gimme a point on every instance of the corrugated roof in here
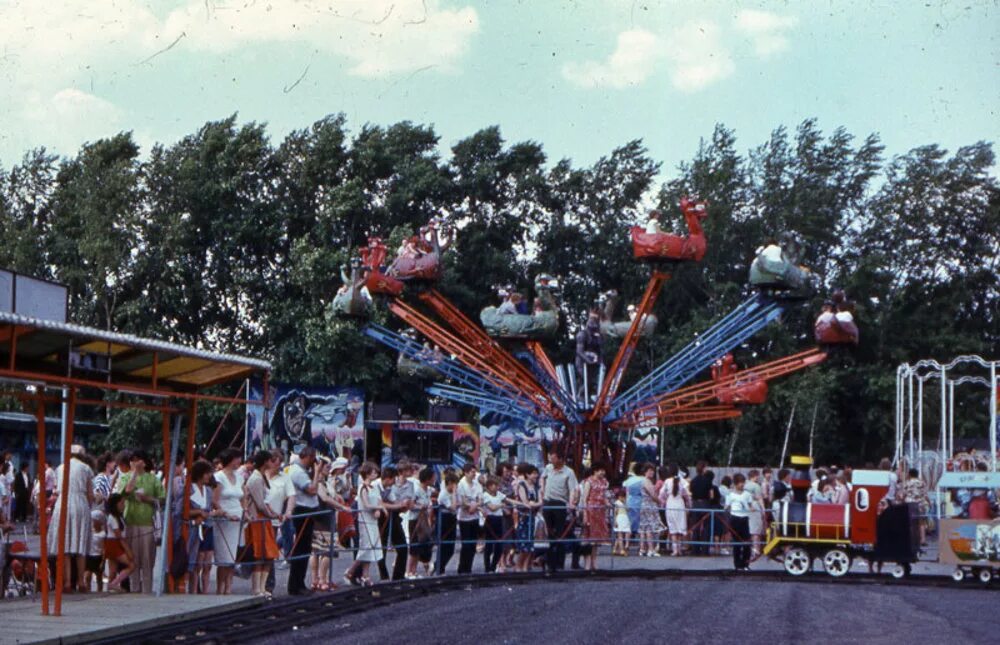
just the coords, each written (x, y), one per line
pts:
(44, 341)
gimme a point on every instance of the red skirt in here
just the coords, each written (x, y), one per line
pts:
(113, 549)
(260, 538)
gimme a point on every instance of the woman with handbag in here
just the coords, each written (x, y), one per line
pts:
(370, 512)
(260, 531)
(421, 525)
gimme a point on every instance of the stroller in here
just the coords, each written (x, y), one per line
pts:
(17, 573)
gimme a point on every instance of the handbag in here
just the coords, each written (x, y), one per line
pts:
(424, 528)
(179, 557)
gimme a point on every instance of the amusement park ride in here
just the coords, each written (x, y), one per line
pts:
(502, 367)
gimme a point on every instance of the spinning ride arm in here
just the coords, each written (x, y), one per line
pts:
(700, 393)
(614, 377)
(475, 399)
(485, 364)
(543, 359)
(551, 383)
(700, 414)
(497, 394)
(480, 341)
(747, 319)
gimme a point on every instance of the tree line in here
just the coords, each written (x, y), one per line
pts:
(229, 240)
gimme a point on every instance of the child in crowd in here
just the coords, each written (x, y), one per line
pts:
(541, 541)
(823, 494)
(493, 502)
(95, 558)
(623, 526)
(447, 507)
(117, 552)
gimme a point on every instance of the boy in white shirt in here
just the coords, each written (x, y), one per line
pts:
(470, 498)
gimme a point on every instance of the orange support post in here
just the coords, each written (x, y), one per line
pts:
(64, 502)
(43, 504)
(629, 343)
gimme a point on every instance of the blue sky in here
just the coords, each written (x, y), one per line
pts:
(580, 77)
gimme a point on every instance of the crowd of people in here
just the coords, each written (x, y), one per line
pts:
(250, 518)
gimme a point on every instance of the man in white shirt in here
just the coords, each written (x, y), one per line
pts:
(470, 499)
(281, 500)
(306, 502)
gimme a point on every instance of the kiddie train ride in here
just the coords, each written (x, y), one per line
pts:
(501, 367)
(867, 527)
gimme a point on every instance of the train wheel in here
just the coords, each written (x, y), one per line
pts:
(797, 561)
(958, 575)
(899, 572)
(985, 575)
(836, 562)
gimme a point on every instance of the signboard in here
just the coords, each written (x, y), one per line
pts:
(970, 542)
(429, 443)
(969, 480)
(331, 419)
(502, 437)
(41, 299)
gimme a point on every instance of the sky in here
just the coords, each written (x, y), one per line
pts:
(581, 77)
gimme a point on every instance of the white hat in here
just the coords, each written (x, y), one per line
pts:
(339, 462)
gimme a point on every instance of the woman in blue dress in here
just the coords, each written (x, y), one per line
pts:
(526, 504)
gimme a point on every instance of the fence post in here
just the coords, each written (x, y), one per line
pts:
(332, 548)
(437, 564)
(711, 530)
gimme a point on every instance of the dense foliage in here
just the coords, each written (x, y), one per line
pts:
(229, 241)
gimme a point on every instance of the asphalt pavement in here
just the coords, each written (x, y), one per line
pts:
(671, 611)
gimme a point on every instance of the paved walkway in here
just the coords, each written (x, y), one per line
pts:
(89, 616)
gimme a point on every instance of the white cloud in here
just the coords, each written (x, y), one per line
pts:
(49, 46)
(694, 55)
(630, 63)
(70, 116)
(698, 56)
(379, 37)
(767, 31)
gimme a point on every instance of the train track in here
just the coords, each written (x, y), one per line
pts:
(287, 613)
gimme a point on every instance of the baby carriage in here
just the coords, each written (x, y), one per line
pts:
(17, 572)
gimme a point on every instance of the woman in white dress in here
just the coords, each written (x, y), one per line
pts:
(228, 500)
(370, 510)
(78, 522)
(674, 496)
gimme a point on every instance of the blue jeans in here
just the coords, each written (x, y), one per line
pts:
(286, 537)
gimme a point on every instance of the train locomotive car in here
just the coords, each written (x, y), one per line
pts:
(836, 534)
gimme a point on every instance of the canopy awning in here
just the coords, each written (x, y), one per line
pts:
(52, 352)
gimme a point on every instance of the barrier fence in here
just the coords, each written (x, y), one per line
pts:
(548, 536)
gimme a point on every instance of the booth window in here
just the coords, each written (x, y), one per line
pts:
(430, 447)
